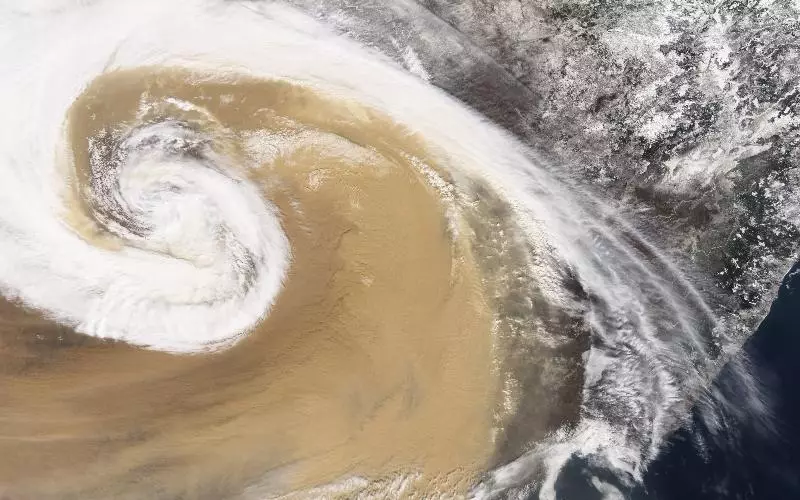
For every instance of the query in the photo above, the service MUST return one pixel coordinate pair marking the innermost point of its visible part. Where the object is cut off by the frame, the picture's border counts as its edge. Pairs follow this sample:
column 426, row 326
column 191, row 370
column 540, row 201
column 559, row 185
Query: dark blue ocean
column 744, row 452
column 754, row 458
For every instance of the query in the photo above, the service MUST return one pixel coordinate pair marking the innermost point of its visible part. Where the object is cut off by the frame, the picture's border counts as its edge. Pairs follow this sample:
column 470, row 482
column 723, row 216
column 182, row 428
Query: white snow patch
column 414, row 65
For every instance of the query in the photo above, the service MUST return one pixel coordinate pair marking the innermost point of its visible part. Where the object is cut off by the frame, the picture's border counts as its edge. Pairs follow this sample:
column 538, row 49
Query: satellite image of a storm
column 399, row 249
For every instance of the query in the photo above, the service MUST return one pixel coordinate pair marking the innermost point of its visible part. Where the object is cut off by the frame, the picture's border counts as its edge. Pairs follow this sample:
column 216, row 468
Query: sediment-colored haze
column 381, row 333
column 245, row 254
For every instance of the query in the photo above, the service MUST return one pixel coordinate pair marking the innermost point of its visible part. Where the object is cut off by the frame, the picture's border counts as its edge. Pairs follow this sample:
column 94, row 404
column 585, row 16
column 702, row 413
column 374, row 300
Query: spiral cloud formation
column 168, row 179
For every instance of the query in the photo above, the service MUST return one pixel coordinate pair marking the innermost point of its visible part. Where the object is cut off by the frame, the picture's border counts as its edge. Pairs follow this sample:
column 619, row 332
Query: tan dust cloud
column 375, row 360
